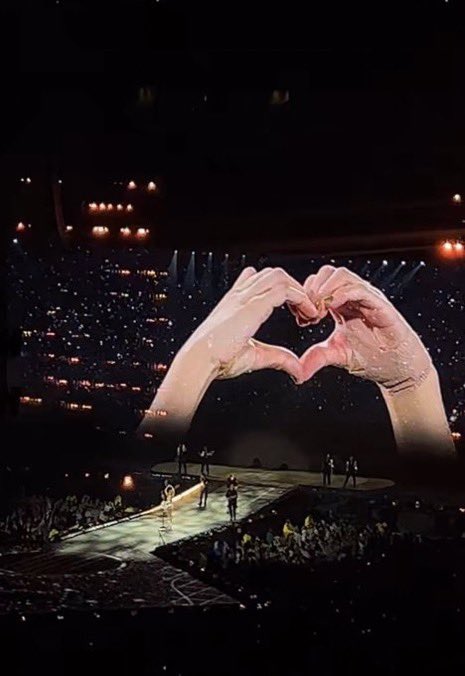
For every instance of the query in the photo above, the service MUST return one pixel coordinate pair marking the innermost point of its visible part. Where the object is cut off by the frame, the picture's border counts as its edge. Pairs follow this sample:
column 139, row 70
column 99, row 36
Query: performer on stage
column 203, row 491
column 351, row 471
column 231, row 481
column 167, row 494
column 327, row 469
column 205, row 456
column 181, row 459
column 231, row 497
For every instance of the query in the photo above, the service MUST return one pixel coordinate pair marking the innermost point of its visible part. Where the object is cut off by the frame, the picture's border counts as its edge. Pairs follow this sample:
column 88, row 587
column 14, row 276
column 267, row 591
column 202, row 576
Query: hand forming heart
column 371, row 339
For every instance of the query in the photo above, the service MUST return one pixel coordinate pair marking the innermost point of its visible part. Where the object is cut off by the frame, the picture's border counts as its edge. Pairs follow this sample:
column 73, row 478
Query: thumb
column 327, row 353
column 276, row 357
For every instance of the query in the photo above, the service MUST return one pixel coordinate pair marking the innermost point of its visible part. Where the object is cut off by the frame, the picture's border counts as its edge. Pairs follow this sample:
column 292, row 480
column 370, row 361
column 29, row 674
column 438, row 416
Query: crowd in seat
column 41, row 519
column 312, row 542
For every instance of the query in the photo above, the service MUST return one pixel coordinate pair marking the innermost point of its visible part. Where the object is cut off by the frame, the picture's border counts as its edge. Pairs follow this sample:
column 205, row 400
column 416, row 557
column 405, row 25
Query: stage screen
column 102, row 328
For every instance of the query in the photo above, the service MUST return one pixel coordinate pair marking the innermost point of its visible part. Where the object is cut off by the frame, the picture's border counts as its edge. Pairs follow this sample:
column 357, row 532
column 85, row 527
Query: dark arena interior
column 232, row 300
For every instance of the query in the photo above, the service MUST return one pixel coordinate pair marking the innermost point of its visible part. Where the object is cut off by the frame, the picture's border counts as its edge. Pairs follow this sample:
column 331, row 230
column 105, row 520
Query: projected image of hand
column 223, row 346
column 371, row 339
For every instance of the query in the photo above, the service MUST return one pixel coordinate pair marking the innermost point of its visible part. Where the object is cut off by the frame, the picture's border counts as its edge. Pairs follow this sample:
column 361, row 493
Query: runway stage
column 270, row 477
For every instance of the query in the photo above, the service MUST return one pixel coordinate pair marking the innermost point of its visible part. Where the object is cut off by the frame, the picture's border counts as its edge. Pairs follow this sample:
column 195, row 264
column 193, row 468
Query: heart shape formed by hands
column 371, row 339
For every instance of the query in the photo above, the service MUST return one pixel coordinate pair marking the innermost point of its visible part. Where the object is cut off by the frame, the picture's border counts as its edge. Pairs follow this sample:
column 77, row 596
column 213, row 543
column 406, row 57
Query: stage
column 269, row 477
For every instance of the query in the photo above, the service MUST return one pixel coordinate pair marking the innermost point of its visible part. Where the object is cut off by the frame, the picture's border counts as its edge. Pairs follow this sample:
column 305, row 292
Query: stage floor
column 138, row 538
column 268, row 477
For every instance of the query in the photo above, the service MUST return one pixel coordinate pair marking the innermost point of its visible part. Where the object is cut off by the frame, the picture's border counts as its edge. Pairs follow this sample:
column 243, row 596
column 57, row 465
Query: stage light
column 458, row 246
column 110, row 207
column 456, row 436
column 100, row 231
column 129, row 207
column 69, row 228
column 93, row 206
column 141, row 233
column 102, row 206
column 127, row 483
column 87, row 475
column 403, row 263
column 447, row 246
column 457, row 198
column 106, row 476
column 15, row 241
column 385, row 263
column 131, row 185
column 152, row 186
column 60, row 181
column 125, row 232
column 20, row 227
column 22, row 180
column 422, row 263
column 119, row 207
column 28, row 180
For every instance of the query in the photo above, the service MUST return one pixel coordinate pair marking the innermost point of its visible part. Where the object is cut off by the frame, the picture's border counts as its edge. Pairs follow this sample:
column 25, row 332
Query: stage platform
column 269, row 477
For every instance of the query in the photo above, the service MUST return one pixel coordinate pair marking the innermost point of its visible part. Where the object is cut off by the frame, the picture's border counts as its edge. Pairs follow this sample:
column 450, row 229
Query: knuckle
column 280, row 276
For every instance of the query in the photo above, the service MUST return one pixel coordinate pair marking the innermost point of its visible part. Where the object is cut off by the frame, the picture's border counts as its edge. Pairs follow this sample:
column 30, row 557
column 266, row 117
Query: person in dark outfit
column 181, row 458
column 327, row 469
column 231, row 497
column 203, row 491
column 205, row 456
column 231, row 481
column 351, row 471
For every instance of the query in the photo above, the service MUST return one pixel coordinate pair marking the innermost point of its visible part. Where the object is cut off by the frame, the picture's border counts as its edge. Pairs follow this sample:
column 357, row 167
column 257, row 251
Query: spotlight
column 127, row 482
column 119, row 207
column 100, row 231
column 385, row 263
column 457, row 199
column 141, row 233
column 152, row 186
column 422, row 263
column 15, row 241
column 110, row 207
column 22, row 180
column 447, row 246
column 403, row 263
column 69, row 228
column 131, row 185
column 20, row 227
column 129, row 207
column 93, row 206
column 106, row 476
column 102, row 206
column 458, row 246
column 125, row 232
column 28, row 180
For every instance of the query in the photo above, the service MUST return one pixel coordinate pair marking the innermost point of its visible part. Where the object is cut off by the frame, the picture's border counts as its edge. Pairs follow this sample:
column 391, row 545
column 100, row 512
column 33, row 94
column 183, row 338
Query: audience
column 316, row 541
column 39, row 519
